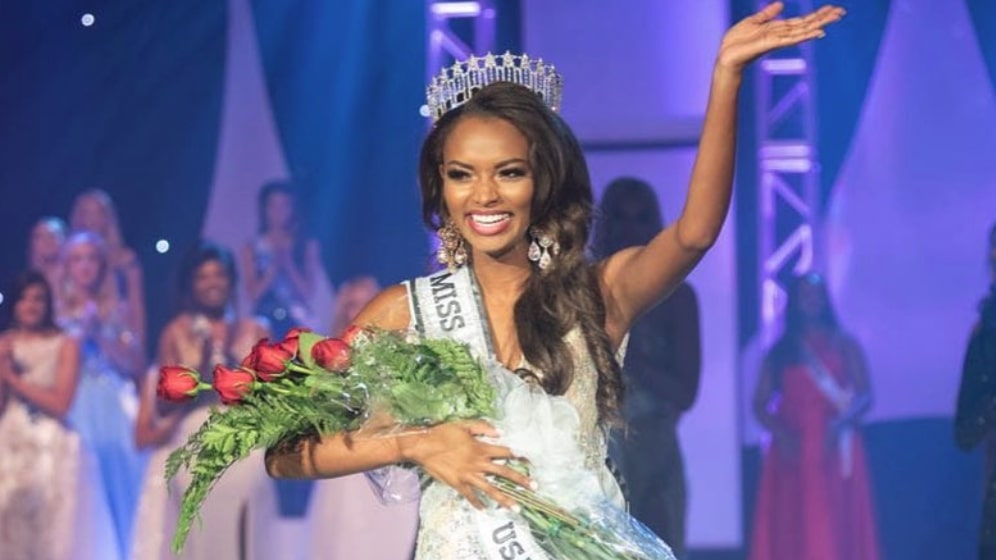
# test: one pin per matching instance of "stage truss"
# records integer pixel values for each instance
(457, 30)
(789, 174)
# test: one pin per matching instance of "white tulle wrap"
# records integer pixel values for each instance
(544, 430)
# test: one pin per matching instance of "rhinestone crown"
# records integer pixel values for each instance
(456, 84)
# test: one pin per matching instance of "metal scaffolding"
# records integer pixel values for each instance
(457, 30)
(788, 166)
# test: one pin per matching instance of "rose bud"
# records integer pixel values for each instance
(253, 357)
(232, 384)
(290, 341)
(271, 361)
(331, 354)
(177, 384)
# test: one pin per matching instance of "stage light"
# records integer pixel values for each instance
(162, 246)
(456, 9)
(87, 19)
(1, 298)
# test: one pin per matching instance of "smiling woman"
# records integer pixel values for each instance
(505, 184)
(488, 185)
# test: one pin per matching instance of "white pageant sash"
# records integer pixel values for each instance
(840, 397)
(447, 305)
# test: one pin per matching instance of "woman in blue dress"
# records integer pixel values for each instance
(282, 267)
(93, 211)
(106, 400)
(283, 276)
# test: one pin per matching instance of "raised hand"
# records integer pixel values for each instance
(761, 33)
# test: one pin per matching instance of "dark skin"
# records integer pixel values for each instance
(486, 170)
(157, 420)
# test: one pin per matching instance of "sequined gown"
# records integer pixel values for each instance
(51, 503)
(447, 530)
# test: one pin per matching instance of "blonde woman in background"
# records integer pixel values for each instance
(93, 211)
(106, 401)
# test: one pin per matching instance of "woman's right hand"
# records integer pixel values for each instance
(453, 453)
(763, 32)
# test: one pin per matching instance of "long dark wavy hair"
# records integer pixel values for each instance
(567, 294)
(18, 287)
(788, 350)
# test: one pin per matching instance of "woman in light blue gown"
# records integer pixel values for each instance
(106, 401)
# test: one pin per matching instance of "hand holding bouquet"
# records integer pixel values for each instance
(307, 385)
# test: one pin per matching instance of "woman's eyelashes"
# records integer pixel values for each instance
(505, 173)
(513, 172)
(457, 175)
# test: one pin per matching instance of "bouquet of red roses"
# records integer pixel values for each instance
(309, 385)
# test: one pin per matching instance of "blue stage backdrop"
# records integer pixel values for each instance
(135, 104)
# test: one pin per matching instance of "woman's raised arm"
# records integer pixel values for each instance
(636, 278)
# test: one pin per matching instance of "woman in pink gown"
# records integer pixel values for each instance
(814, 498)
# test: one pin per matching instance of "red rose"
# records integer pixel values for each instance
(177, 384)
(253, 357)
(271, 361)
(232, 384)
(290, 341)
(332, 354)
(352, 331)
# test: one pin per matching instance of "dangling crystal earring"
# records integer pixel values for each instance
(542, 247)
(452, 251)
